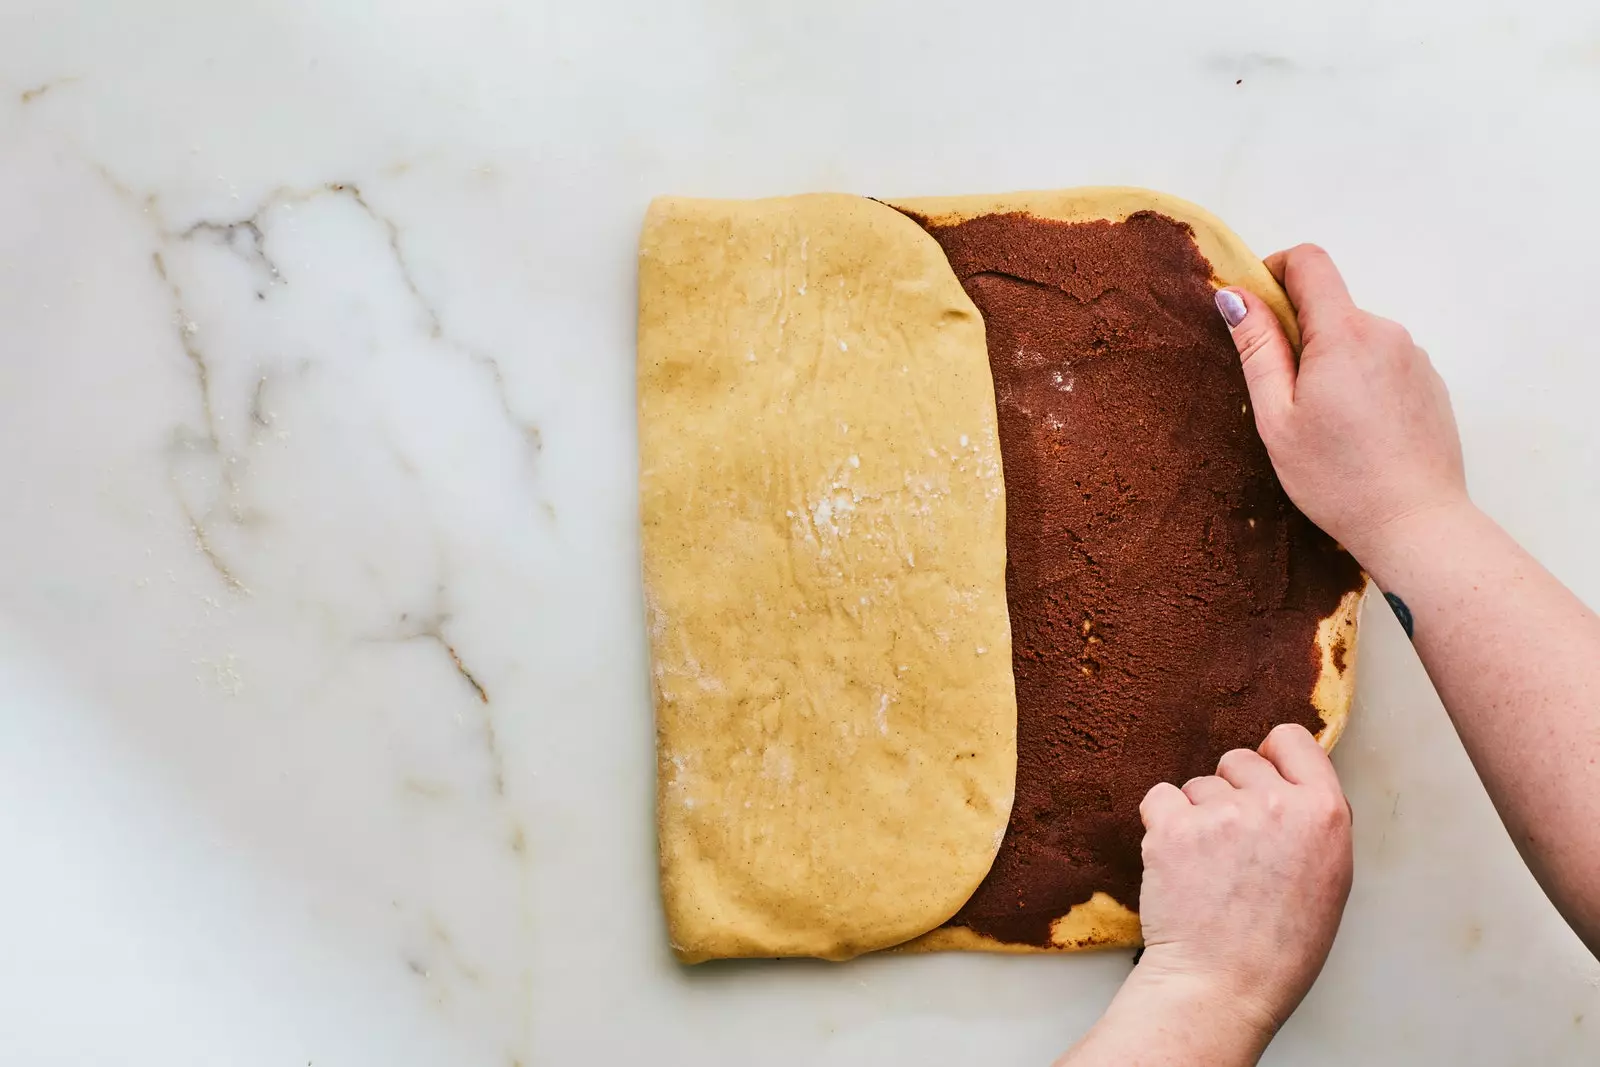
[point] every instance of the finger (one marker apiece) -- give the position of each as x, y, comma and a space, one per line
1298, 757
1210, 787
1314, 284
1244, 769
1163, 800
1264, 353
1274, 263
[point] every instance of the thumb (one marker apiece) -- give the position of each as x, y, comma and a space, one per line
1264, 352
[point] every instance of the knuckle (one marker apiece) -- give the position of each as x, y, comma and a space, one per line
1207, 787
1286, 733
1151, 810
1227, 814
1394, 334
1334, 810
1359, 325
1378, 334
1326, 810
1236, 821
1236, 759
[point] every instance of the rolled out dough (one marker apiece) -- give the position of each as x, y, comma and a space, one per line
822, 513
824, 552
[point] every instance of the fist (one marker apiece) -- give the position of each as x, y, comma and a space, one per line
1246, 873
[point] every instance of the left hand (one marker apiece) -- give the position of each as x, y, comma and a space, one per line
1246, 876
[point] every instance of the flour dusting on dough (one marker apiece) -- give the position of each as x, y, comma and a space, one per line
657, 617
679, 785
777, 764
698, 674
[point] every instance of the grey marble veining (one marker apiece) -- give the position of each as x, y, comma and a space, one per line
322, 681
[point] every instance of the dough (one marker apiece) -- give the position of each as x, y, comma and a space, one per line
824, 554
1140, 466
824, 549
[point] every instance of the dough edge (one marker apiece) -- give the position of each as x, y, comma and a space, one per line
1102, 922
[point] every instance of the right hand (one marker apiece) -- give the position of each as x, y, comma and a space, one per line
1360, 433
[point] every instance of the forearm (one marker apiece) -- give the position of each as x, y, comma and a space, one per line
1162, 1022
1515, 657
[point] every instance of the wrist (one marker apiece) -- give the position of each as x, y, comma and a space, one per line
1201, 1018
1383, 548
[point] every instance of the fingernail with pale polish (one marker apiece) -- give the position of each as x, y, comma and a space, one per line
1231, 304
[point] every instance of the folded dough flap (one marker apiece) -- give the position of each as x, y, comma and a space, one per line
822, 509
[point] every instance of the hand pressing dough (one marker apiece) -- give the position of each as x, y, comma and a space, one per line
1035, 278
778, 834
824, 550
1232, 264
1231, 259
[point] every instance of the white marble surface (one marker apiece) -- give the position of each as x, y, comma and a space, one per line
324, 735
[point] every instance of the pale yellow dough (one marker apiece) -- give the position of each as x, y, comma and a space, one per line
824, 557
824, 564
1102, 922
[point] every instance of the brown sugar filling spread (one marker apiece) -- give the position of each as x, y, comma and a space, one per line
1164, 593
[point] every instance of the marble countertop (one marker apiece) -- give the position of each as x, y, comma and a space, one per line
322, 676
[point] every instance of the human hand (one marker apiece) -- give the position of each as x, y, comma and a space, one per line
1246, 873
1361, 434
